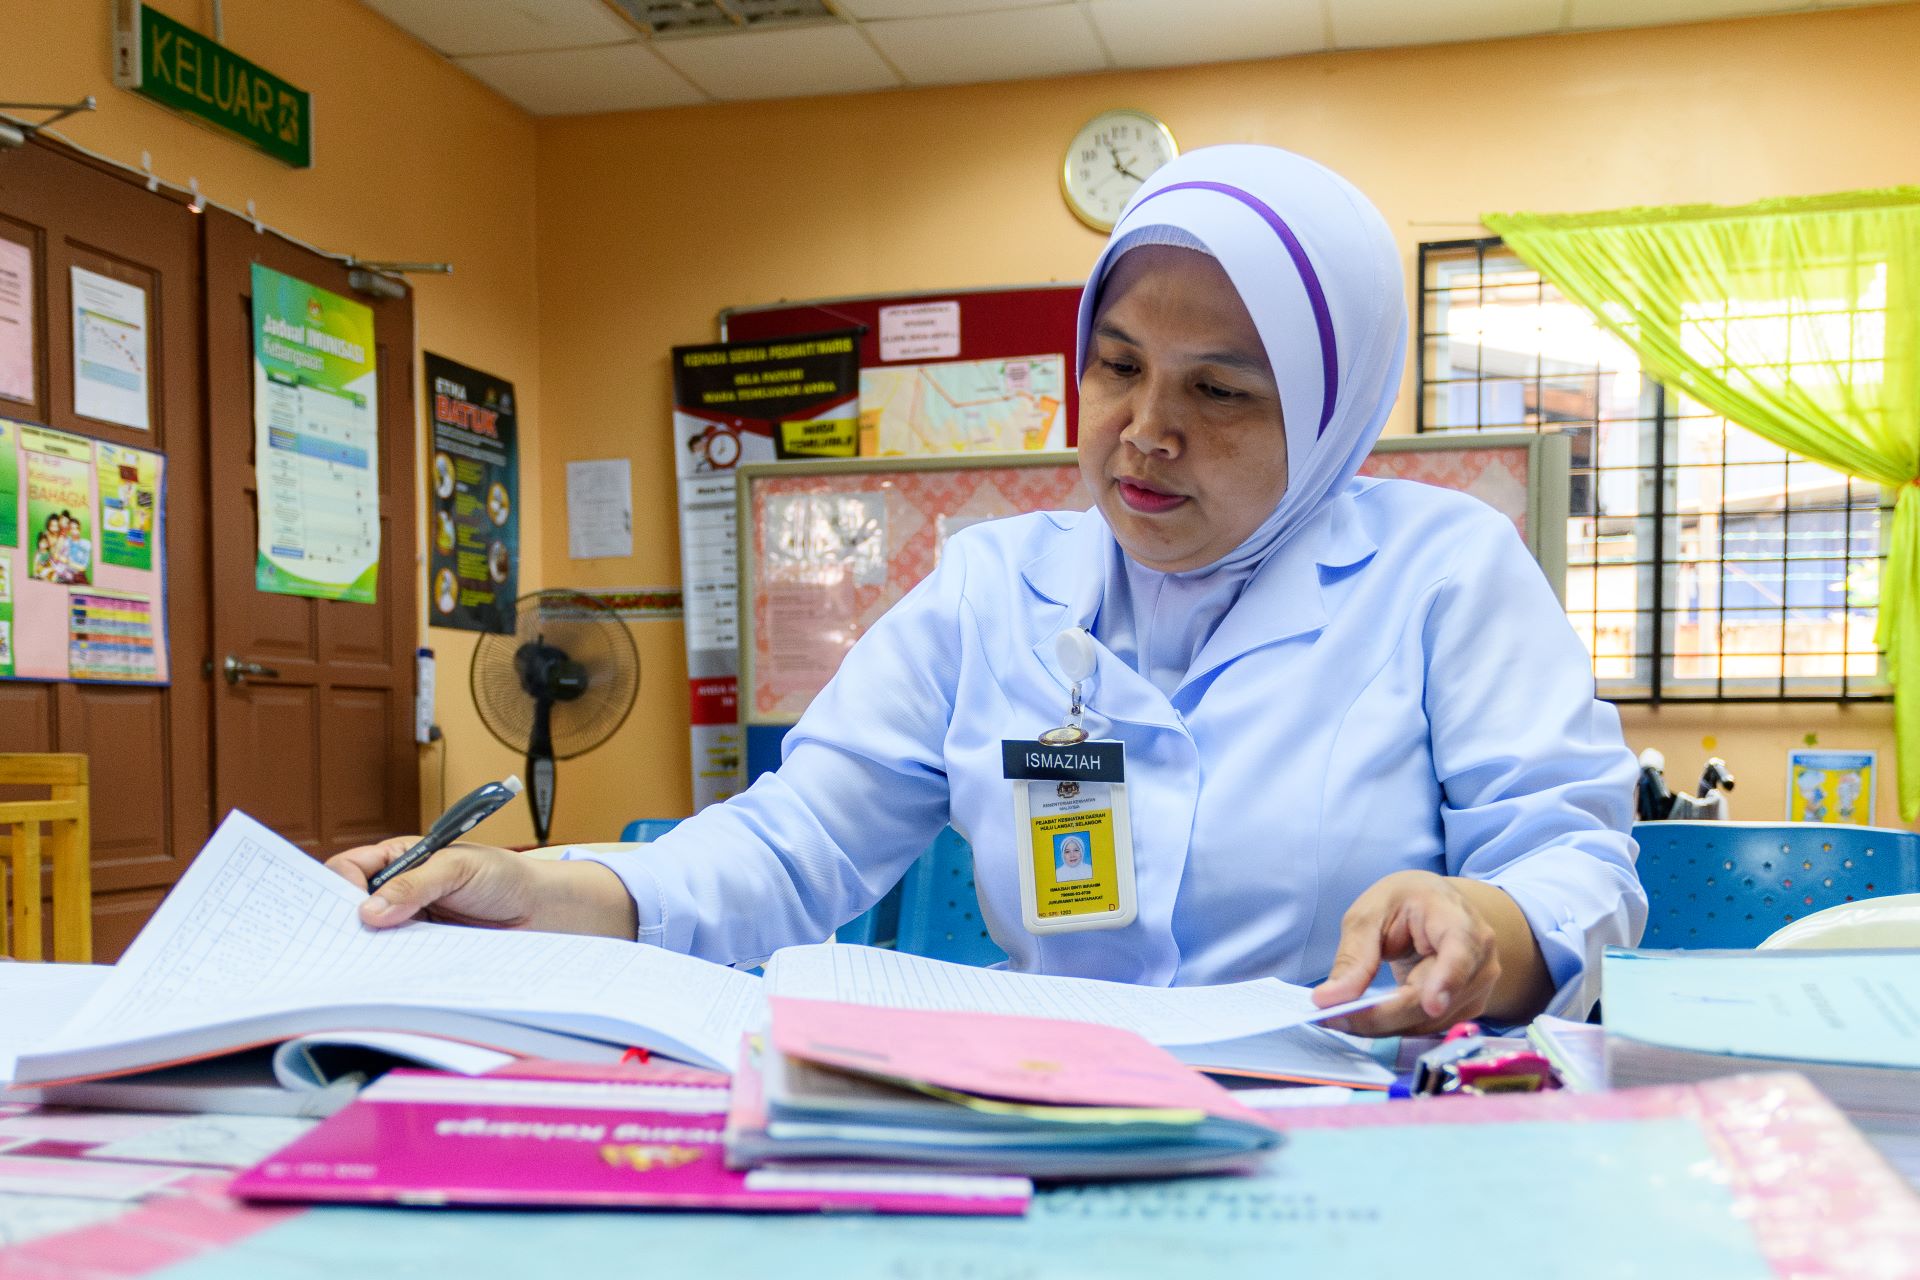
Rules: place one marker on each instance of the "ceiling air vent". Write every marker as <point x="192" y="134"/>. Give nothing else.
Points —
<point x="710" y="17"/>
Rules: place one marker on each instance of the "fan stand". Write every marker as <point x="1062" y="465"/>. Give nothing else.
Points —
<point x="540" y="773"/>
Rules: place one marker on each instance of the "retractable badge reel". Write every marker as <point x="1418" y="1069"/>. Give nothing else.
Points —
<point x="1070" y="815"/>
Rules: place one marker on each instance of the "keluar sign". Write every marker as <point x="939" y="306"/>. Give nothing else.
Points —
<point x="181" y="69"/>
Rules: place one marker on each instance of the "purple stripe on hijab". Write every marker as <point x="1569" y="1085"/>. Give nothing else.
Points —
<point x="1316" y="296"/>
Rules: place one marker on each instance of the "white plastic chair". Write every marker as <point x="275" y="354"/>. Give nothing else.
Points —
<point x="1876" y="923"/>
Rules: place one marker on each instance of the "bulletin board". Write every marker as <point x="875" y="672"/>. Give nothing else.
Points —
<point x="82" y="559"/>
<point x="990" y="324"/>
<point x="1520" y="474"/>
<point x="829" y="546"/>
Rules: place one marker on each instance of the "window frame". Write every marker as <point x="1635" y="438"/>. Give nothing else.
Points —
<point x="1665" y="471"/>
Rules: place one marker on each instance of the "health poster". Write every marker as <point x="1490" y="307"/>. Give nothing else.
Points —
<point x="316" y="441"/>
<point x="83" y="583"/>
<point x="59" y="472"/>
<point x="1830" y="786"/>
<point x="129" y="505"/>
<point x="473" y="556"/>
<point x="789" y="398"/>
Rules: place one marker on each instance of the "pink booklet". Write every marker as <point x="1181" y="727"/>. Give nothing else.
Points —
<point x="418" y="1137"/>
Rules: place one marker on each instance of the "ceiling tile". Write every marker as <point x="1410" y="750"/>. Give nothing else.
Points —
<point x="1648" y="13"/>
<point x="790" y="62"/>
<point x="504" y="26"/>
<point x="867" y="10"/>
<point x="1151" y="33"/>
<point x="1020" y="44"/>
<point x="568" y="82"/>
<point x="1371" y="24"/>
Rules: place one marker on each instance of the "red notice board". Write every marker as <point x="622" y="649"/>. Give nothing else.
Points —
<point x="1031" y="320"/>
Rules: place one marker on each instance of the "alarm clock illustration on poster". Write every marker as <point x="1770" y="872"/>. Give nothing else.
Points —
<point x="718" y="448"/>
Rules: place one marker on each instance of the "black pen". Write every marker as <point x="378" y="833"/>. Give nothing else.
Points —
<point x="466" y="813"/>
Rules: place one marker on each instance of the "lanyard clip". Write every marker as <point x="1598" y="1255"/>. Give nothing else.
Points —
<point x="1078" y="660"/>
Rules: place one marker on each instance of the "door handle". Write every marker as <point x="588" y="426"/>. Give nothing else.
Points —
<point x="238" y="669"/>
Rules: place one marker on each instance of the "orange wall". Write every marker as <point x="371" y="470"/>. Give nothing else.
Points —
<point x="652" y="222"/>
<point x="414" y="161"/>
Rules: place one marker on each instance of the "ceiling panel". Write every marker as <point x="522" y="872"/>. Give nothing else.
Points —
<point x="1368" y="24"/>
<point x="789" y="63"/>
<point x="867" y="10"/>
<point x="504" y="26"/>
<point x="1020" y="44"/>
<point x="1139" y="34"/>
<point x="571" y="82"/>
<point x="1640" y="13"/>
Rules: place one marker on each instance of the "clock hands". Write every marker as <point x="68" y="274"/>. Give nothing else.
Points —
<point x="1121" y="165"/>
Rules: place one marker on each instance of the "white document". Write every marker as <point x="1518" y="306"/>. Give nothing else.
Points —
<point x="599" y="509"/>
<point x="221" y="1142"/>
<point x="16" y="321"/>
<point x="110" y="352"/>
<point x="1164" y="1015"/>
<point x="37" y="999"/>
<point x="258" y="943"/>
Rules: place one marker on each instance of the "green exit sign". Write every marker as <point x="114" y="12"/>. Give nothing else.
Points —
<point x="179" y="68"/>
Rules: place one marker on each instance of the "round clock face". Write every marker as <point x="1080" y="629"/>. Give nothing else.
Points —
<point x="1108" y="160"/>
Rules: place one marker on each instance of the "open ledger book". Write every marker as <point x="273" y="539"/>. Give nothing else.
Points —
<point x="258" y="944"/>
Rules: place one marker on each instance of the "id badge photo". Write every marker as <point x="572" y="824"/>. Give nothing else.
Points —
<point x="1075" y="843"/>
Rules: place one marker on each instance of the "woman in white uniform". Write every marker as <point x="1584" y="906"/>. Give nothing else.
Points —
<point x="1358" y="728"/>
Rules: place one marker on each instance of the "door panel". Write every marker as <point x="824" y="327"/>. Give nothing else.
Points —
<point x="149" y="747"/>
<point x="321" y="749"/>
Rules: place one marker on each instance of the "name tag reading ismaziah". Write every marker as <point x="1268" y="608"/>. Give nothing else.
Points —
<point x="1073" y="834"/>
<point x="1083" y="762"/>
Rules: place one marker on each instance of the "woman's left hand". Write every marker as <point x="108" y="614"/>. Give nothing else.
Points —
<point x="1437" y="933"/>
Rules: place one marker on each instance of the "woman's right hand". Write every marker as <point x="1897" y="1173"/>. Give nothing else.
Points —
<point x="480" y="885"/>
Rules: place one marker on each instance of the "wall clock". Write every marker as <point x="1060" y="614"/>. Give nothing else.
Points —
<point x="1108" y="159"/>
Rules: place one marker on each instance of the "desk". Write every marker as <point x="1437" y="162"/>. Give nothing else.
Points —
<point x="1357" y="1192"/>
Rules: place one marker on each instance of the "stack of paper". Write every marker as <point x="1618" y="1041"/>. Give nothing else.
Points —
<point x="1848" y="1020"/>
<point x="419" y="1138"/>
<point x="1030" y="1096"/>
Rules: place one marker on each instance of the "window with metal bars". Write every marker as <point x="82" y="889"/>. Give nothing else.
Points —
<point x="1703" y="562"/>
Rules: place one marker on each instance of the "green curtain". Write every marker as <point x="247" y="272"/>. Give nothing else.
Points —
<point x="1798" y="319"/>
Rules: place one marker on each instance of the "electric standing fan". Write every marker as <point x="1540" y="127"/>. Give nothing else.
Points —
<point x="556" y="686"/>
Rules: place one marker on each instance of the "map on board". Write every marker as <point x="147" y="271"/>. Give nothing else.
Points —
<point x="964" y="406"/>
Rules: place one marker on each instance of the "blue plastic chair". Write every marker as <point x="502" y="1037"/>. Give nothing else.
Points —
<point x="940" y="909"/>
<point x="641" y="830"/>
<point x="1731" y="884"/>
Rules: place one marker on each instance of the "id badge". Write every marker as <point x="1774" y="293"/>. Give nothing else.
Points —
<point x="1075" y="843"/>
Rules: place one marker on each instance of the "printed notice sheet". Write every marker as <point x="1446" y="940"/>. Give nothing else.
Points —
<point x="110" y="353"/>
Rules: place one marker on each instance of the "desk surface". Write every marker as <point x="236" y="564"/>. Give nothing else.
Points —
<point x="1646" y="1183"/>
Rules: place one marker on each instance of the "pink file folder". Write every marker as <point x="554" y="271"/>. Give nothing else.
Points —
<point x="1039" y="1060"/>
<point x="418" y="1137"/>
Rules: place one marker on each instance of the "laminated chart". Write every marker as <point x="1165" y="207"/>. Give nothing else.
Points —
<point x="82" y="559"/>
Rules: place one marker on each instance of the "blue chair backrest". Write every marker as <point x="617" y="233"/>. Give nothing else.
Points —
<point x="1731" y="884"/>
<point x="940" y="909"/>
<point x="641" y="830"/>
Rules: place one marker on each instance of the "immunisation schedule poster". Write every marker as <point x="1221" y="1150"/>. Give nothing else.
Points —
<point x="316" y="441"/>
<point x="82" y="559"/>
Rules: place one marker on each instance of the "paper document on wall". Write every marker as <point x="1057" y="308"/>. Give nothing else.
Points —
<point x="1164" y="1015"/>
<point x="258" y="938"/>
<point x="599" y="509"/>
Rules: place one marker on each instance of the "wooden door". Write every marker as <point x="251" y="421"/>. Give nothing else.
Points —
<point x="148" y="746"/>
<point x="322" y="750"/>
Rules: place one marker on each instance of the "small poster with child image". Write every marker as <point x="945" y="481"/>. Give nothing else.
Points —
<point x="82" y="559"/>
<point x="59" y="506"/>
